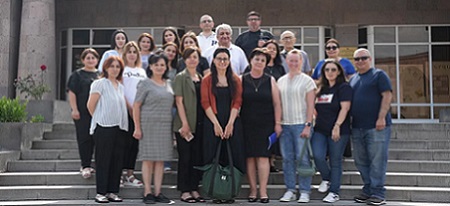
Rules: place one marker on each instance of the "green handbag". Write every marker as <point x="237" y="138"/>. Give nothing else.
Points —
<point x="221" y="182"/>
<point x="306" y="171"/>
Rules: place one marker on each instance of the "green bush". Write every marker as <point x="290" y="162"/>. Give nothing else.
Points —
<point x="37" y="118"/>
<point x="11" y="110"/>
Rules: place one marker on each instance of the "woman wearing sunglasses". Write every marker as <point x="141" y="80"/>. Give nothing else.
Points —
<point x="332" y="128"/>
<point x="332" y="50"/>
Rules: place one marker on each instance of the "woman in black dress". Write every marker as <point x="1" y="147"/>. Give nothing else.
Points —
<point x="79" y="86"/>
<point x="261" y="116"/>
<point x="221" y="99"/>
<point x="275" y="64"/>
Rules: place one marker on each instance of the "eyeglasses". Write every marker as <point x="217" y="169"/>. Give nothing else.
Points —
<point x="330" y="69"/>
<point x="331" y="47"/>
<point x="206" y="21"/>
<point x="363" y="58"/>
<point x="221" y="59"/>
<point x="224" y="33"/>
<point x="253" y="19"/>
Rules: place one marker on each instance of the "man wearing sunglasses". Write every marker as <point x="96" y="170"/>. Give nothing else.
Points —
<point x="254" y="36"/>
<point x="206" y="38"/>
<point x="371" y="131"/>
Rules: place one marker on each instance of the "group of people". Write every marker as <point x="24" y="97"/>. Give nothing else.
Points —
<point x="204" y="89"/>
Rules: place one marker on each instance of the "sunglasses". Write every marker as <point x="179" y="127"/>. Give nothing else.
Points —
<point x="364" y="58"/>
<point x="207" y="21"/>
<point x="331" y="47"/>
<point x="330" y="69"/>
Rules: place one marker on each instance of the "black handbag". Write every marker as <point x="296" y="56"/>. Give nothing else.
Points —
<point x="221" y="182"/>
<point x="306" y="171"/>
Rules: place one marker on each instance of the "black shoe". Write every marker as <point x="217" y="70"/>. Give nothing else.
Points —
<point x="264" y="200"/>
<point x="274" y="169"/>
<point x="362" y="198"/>
<point x="252" y="199"/>
<point x="161" y="198"/>
<point x="375" y="201"/>
<point x="149" y="199"/>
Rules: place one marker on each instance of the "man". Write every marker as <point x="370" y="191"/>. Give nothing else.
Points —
<point x="371" y="133"/>
<point x="288" y="40"/>
<point x="237" y="56"/>
<point x="254" y="36"/>
<point x="206" y="38"/>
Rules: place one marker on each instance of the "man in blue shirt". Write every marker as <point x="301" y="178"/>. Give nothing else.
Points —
<point x="371" y="131"/>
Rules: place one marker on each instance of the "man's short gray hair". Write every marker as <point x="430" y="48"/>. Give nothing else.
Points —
<point x="224" y="27"/>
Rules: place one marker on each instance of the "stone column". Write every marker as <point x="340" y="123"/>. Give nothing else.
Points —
<point x="37" y="41"/>
<point x="9" y="44"/>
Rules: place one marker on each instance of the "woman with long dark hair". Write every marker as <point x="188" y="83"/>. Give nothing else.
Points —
<point x="332" y="128"/>
<point x="118" y="40"/>
<point x="221" y="92"/>
<point x="170" y="34"/>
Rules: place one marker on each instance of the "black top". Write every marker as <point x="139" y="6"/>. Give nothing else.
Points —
<point x="328" y="106"/>
<point x="80" y="84"/>
<point x="276" y="71"/>
<point x="248" y="40"/>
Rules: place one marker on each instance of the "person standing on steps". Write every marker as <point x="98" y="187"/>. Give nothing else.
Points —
<point x="371" y="126"/>
<point x="79" y="85"/>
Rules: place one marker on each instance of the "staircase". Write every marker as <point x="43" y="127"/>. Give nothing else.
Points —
<point x="418" y="170"/>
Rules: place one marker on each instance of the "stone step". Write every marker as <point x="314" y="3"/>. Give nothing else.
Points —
<point x="348" y="165"/>
<point x="72" y="154"/>
<point x="55" y="144"/>
<point x="419" y="144"/>
<point x="69" y="127"/>
<point x="273" y="201"/>
<point x="437" y="131"/>
<point x="58" y="135"/>
<point x="83" y="192"/>
<point x="170" y="178"/>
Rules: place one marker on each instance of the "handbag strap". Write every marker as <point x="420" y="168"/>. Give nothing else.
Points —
<point x="230" y="160"/>
<point x="215" y="165"/>
<point x="307" y="146"/>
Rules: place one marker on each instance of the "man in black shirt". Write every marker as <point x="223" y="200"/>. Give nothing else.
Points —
<point x="254" y="36"/>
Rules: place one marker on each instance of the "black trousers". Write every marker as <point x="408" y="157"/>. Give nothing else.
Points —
<point x="189" y="155"/>
<point x="131" y="147"/>
<point x="109" y="143"/>
<point x="84" y="139"/>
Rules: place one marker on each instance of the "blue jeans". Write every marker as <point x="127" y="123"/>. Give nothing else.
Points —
<point x="324" y="146"/>
<point x="291" y="144"/>
<point x="370" y="148"/>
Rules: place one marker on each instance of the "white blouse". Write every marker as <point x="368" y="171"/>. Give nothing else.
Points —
<point x="111" y="109"/>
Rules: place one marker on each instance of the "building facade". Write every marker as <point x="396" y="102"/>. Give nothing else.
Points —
<point x="409" y="39"/>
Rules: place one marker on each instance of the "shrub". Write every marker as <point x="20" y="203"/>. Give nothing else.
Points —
<point x="11" y="110"/>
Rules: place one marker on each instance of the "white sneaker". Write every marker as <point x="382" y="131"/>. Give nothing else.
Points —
<point x="331" y="197"/>
<point x="288" y="196"/>
<point x="324" y="186"/>
<point x="304" y="198"/>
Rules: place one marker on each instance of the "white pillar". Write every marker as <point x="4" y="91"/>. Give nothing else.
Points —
<point x="37" y="41"/>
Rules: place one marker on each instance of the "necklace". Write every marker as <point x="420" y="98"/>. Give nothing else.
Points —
<point x="254" y="84"/>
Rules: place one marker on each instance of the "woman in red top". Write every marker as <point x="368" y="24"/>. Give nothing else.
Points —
<point x="221" y="99"/>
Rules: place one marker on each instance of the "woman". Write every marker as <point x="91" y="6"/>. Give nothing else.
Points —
<point x="332" y="129"/>
<point x="275" y="65"/>
<point x="190" y="40"/>
<point x="261" y="116"/>
<point x="132" y="74"/>
<point x="146" y="45"/>
<point x="118" y="40"/>
<point x="79" y="86"/>
<point x="108" y="128"/>
<point x="332" y="50"/>
<point x="297" y="98"/>
<point x="152" y="113"/>
<point x="171" y="52"/>
<point x="221" y="93"/>
<point x="170" y="34"/>
<point x="188" y="126"/>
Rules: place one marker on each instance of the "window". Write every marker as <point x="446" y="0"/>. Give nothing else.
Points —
<point x="411" y="54"/>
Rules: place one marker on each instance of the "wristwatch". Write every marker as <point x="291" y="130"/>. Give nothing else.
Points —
<point x="308" y="124"/>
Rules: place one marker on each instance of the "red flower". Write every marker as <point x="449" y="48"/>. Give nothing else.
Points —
<point x="43" y="67"/>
